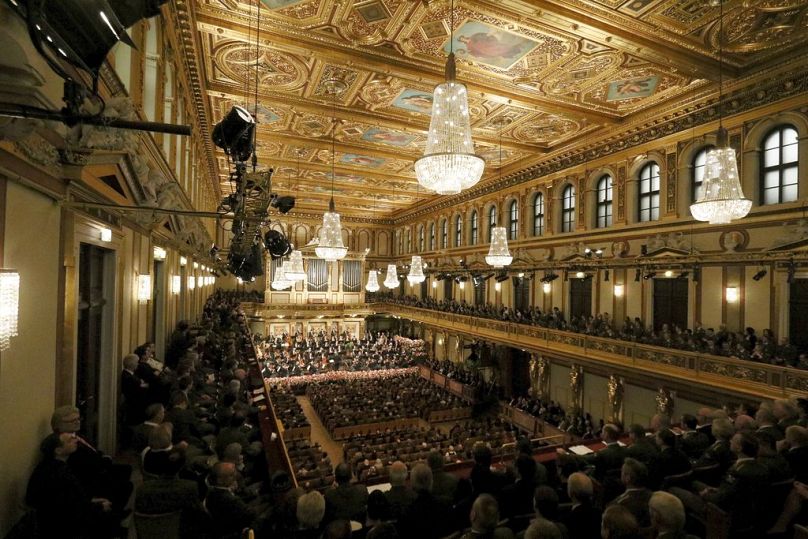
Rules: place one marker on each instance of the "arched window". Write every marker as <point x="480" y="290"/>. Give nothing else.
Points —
<point x="458" y="231"/>
<point x="568" y="209"/>
<point x="513" y="220"/>
<point x="492" y="221"/>
<point x="699" y="160"/>
<point x="432" y="236"/>
<point x="421" y="239"/>
<point x="604" y="206"/>
<point x="778" y="173"/>
<point x="444" y="234"/>
<point x="475" y="226"/>
<point x="538" y="214"/>
<point x="649" y="192"/>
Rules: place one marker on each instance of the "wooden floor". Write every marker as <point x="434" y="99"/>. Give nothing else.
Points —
<point x="319" y="433"/>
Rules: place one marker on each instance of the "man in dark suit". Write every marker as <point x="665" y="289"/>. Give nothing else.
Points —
<point x="741" y="487"/>
<point x="692" y="442"/>
<point x="667" y="516"/>
<point x="719" y="452"/>
<point x="427" y="517"/>
<point x="634" y="475"/>
<point x="155" y="415"/>
<point x="135" y="391"/>
<point x="229" y="513"/>
<point x="672" y="461"/>
<point x="796" y="452"/>
<point x="400" y="496"/>
<point x="767" y="423"/>
<point x="776" y="464"/>
<point x="345" y="500"/>
<point x="610" y="457"/>
<point x="483" y="480"/>
<point x="517" y="499"/>
<point x="583" y="521"/>
<point x="444" y="485"/>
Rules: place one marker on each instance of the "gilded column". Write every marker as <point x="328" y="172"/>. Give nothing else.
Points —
<point x="576" y="389"/>
<point x="664" y="401"/>
<point x="539" y="376"/>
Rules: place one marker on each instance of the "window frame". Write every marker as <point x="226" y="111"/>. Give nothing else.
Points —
<point x="492" y="221"/>
<point x="444" y="233"/>
<point x="538" y="214"/>
<point x="421" y="239"/>
<point x="695" y="183"/>
<point x="432" y="236"/>
<point x="780" y="167"/>
<point x="651" y="196"/>
<point x="458" y="222"/>
<point x="604" y="197"/>
<point x="568" y="208"/>
<point x="513" y="220"/>
<point x="475" y="227"/>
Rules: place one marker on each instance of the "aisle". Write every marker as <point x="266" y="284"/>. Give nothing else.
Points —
<point x="318" y="432"/>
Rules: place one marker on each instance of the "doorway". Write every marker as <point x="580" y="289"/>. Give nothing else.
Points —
<point x="95" y="391"/>
<point x="670" y="303"/>
<point x="798" y="313"/>
<point x="158" y="326"/>
<point x="580" y="297"/>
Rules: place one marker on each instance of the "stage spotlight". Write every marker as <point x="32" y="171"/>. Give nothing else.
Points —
<point x="759" y="275"/>
<point x="502" y="277"/>
<point x="234" y="134"/>
<point x="277" y="244"/>
<point x="598" y="252"/>
<point x="214" y="250"/>
<point x="588" y="252"/>
<point x="637" y="275"/>
<point x="684" y="275"/>
<point x="649" y="275"/>
<point x="283" y="204"/>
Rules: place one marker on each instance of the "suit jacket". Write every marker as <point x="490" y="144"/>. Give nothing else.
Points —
<point x="229" y="513"/>
<point x="135" y="397"/>
<point x="693" y="444"/>
<point x="483" y="480"/>
<point x="185" y="424"/>
<point x="609" y="458"/>
<point x="347" y="501"/>
<point x="444" y="485"/>
<point x="400" y="498"/>
<point x="672" y="462"/>
<point x="777" y="467"/>
<point x="62" y="505"/>
<point x="166" y="495"/>
<point x="636" y="501"/>
<point x="517" y="499"/>
<point x="140" y="436"/>
<point x="426" y="518"/>
<point x="718" y="453"/>
<point x="798" y="461"/>
<point x="774" y="430"/>
<point x="741" y="490"/>
<point x="583" y="522"/>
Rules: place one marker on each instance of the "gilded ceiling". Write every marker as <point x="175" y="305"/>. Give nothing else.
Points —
<point x="543" y="75"/>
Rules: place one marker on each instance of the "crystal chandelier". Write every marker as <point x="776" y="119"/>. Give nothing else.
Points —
<point x="280" y="282"/>
<point x="449" y="164"/>
<point x="330" y="246"/>
<point x="416" y="274"/>
<point x="9" y="306"/>
<point x="498" y="254"/>
<point x="373" y="281"/>
<point x="294" y="268"/>
<point x="720" y="198"/>
<point x="391" y="281"/>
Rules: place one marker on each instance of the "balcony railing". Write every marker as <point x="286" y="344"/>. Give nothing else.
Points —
<point x="758" y="379"/>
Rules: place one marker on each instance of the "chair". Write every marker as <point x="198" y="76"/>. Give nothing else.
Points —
<point x="679" y="480"/>
<point x="158" y="526"/>
<point x="773" y="501"/>
<point x="800" y="532"/>
<point x="710" y="475"/>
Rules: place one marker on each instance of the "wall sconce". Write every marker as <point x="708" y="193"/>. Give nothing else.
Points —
<point x="618" y="290"/>
<point x="547" y="288"/>
<point x="106" y="235"/>
<point x="580" y="275"/>
<point x="9" y="306"/>
<point x="143" y="288"/>
<point x="434" y="284"/>
<point x="176" y="284"/>
<point x="159" y="253"/>
<point x="191" y="282"/>
<point x="183" y="261"/>
<point x="669" y="273"/>
<point x="199" y="281"/>
<point x="196" y="265"/>
<point x="498" y="286"/>
<point x="732" y="294"/>
<point x="462" y="285"/>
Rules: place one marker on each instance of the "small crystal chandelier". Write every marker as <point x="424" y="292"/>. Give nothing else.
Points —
<point x="9" y="306"/>
<point x="294" y="267"/>
<point x="330" y="246"/>
<point x="449" y="164"/>
<point x="416" y="274"/>
<point x="391" y="281"/>
<point x="280" y="282"/>
<point x="720" y="198"/>
<point x="498" y="254"/>
<point x="373" y="281"/>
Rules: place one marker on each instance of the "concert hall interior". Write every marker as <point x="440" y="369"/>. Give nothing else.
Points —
<point x="404" y="269"/>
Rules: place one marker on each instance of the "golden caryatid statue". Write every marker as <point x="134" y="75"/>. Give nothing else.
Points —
<point x="539" y="376"/>
<point x="664" y="402"/>
<point x="576" y="389"/>
<point x="615" y="389"/>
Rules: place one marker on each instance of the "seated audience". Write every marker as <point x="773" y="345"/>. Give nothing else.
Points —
<point x="427" y="517"/>
<point x="346" y="500"/>
<point x="583" y="520"/>
<point x="619" y="523"/>
<point x="634" y="476"/>
<point x="485" y="519"/>
<point x="400" y="496"/>
<point x="310" y="513"/>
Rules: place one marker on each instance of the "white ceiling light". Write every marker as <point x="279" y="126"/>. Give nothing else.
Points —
<point x="329" y="245"/>
<point x="391" y="281"/>
<point x="416" y="274"/>
<point x="498" y="254"/>
<point x="294" y="269"/>
<point x="280" y="282"/>
<point x="373" y="281"/>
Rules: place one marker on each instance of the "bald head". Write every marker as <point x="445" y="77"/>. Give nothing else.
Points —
<point x="223" y="474"/>
<point x="579" y="487"/>
<point x="485" y="513"/>
<point x="398" y="473"/>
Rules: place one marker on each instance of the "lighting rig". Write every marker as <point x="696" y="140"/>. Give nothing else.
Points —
<point x="251" y="199"/>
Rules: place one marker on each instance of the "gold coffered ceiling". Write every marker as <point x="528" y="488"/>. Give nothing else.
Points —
<point x="543" y="75"/>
